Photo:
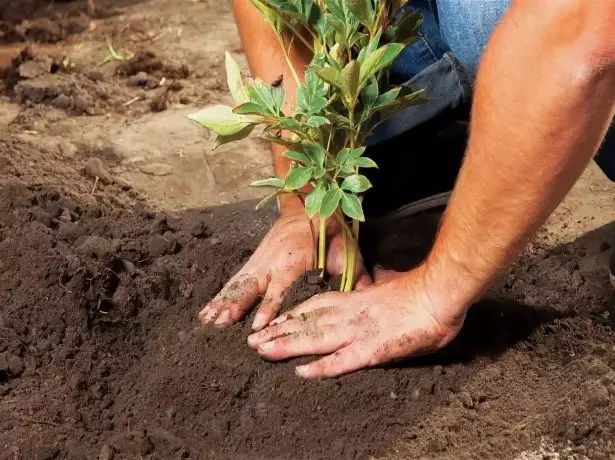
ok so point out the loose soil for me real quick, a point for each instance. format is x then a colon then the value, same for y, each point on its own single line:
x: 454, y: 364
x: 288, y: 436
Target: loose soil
x: 101, y: 355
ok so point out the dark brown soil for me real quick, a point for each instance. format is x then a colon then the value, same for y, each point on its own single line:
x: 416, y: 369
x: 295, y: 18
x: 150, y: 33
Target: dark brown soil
x: 99, y: 306
x: 101, y: 355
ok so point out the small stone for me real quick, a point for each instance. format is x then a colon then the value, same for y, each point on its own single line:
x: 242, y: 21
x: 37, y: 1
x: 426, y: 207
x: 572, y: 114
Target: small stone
x: 170, y: 412
x: 62, y: 101
x: 416, y: 393
x: 16, y: 366
x: 214, y: 241
x: 156, y: 169
x: 106, y: 453
x: 36, y: 67
x: 393, y: 395
x: 466, y: 399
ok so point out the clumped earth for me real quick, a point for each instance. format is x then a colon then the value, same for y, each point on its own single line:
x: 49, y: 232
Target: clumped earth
x: 101, y: 355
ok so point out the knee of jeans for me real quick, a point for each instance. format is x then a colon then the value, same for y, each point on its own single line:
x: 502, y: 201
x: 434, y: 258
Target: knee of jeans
x: 466, y: 25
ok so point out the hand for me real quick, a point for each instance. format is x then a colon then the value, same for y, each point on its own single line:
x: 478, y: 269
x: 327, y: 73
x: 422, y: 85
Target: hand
x: 283, y: 256
x: 394, y: 318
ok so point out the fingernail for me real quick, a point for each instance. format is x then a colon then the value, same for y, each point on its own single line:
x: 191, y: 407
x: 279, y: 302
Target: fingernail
x: 302, y: 371
x: 209, y: 317
x: 204, y: 312
x: 267, y: 346
x: 260, y: 321
x: 223, y: 318
x: 252, y: 339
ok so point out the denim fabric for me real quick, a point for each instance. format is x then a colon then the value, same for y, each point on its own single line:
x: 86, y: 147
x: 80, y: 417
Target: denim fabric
x: 443, y: 62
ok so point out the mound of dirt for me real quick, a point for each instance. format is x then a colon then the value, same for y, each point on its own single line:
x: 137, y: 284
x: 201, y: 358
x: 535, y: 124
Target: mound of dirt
x: 104, y: 356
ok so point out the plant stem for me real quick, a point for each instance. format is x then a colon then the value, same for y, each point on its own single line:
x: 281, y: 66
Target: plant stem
x: 322, y: 245
x: 294, y: 30
x: 287, y: 58
x: 353, y: 256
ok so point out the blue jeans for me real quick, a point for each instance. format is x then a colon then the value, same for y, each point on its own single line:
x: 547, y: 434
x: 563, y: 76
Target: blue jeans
x: 444, y: 61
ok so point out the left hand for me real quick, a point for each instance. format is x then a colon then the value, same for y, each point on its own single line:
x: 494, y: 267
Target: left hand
x: 395, y: 318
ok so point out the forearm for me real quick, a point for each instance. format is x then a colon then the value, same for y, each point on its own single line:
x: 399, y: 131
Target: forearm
x: 267, y: 62
x: 545, y: 96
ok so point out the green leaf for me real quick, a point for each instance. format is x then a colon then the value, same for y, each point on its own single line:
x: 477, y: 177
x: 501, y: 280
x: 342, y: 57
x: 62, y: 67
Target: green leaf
x: 235, y: 80
x: 356, y: 153
x: 387, y: 98
x: 347, y: 154
x: 407, y: 26
x: 351, y: 206
x: 287, y: 123
x: 250, y: 108
x: 379, y: 60
x: 269, y: 97
x: 221, y: 120
x: 330, y: 75
x: 330, y: 201
x: 356, y: 184
x: 364, y: 162
x: 370, y: 94
x: 298, y: 156
x: 269, y: 182
x: 270, y: 13
x: 298, y: 177
x: 316, y: 121
x: 314, y: 199
x: 311, y: 96
x: 350, y: 82
x: 363, y: 10
x: 221, y: 140
x: 316, y: 152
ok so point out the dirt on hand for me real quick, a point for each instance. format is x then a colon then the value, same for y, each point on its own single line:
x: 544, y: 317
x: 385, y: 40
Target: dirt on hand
x: 101, y: 353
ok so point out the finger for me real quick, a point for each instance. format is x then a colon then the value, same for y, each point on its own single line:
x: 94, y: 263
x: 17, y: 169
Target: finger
x: 348, y: 359
x: 330, y: 299
x: 272, y: 303
x: 315, y: 341
x: 231, y: 304
x: 301, y: 323
x: 363, y: 279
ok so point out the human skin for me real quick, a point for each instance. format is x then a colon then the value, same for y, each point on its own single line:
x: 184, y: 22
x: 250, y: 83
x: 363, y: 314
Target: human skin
x: 544, y: 99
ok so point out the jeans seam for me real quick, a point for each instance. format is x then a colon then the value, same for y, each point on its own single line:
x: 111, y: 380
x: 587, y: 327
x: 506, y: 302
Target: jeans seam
x: 429, y: 48
x: 455, y: 66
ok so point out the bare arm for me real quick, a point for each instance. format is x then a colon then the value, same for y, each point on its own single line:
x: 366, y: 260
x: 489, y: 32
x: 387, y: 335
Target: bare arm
x: 545, y: 96
x: 267, y: 62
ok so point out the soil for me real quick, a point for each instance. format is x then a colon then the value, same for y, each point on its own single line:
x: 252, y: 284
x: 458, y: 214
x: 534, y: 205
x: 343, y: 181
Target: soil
x: 103, y: 268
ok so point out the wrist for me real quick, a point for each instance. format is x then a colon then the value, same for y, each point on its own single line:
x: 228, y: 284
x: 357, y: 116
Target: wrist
x: 452, y: 281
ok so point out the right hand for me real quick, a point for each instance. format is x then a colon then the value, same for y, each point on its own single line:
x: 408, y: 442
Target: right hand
x: 283, y: 256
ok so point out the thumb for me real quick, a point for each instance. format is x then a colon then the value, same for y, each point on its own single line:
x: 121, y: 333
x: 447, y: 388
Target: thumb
x: 335, y: 262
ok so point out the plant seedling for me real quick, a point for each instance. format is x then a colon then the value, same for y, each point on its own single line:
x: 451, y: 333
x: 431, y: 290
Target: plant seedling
x: 343, y: 96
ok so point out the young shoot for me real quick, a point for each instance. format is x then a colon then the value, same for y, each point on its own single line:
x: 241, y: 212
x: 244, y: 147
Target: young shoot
x: 342, y: 96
